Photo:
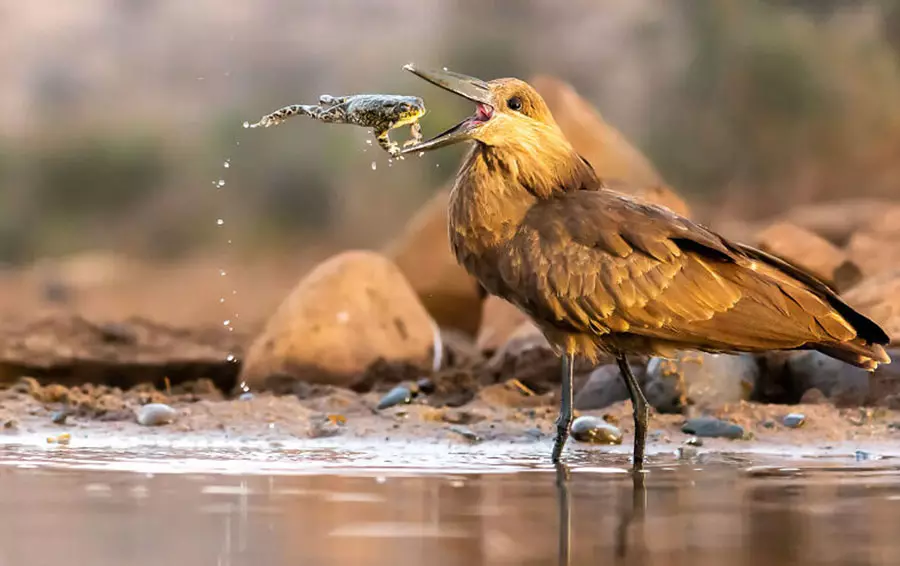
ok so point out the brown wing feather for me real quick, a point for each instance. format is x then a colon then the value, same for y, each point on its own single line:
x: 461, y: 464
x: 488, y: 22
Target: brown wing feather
x: 603, y: 264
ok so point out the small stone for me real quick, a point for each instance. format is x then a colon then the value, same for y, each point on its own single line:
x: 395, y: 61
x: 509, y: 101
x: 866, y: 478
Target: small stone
x: 461, y: 417
x: 768, y: 424
x: 862, y: 455
x: 687, y: 452
x: 894, y: 426
x: 63, y: 438
x: 396, y: 396
x: 155, y: 414
x: 794, y: 420
x: 465, y: 433
x: 595, y: 431
x: 535, y: 433
x: 246, y: 396
x: 10, y: 424
x: 712, y: 427
x: 693, y: 441
x: 59, y: 417
x: 425, y: 386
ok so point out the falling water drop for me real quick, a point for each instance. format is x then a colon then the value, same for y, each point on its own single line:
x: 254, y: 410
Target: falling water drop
x: 219, y: 222
x: 246, y: 124
x: 227, y: 164
x: 374, y: 166
x: 221, y: 183
x: 222, y: 273
x: 229, y: 358
x: 369, y: 142
x: 226, y: 322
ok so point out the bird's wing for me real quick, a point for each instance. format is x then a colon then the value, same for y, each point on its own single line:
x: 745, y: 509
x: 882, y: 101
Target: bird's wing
x: 599, y: 262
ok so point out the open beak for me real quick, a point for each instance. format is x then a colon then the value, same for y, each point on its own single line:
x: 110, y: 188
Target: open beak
x: 470, y: 88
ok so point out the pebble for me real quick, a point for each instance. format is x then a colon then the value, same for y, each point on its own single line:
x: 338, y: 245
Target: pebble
x: 425, y: 386
x: 63, y: 438
x: 693, y: 441
x: 712, y: 427
x: 246, y: 396
x: 466, y: 433
x: 794, y: 420
x: 155, y: 414
x: 595, y: 431
x: 59, y: 417
x: 397, y: 395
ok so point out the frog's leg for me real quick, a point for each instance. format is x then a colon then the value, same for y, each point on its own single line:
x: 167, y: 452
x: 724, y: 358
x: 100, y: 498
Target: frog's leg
x: 385, y: 142
x: 283, y: 114
x: 415, y: 132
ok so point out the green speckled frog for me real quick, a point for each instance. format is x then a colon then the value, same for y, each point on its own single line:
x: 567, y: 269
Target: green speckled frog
x: 381, y: 112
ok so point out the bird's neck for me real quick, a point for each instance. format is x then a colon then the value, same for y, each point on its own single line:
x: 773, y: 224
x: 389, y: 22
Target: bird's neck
x: 497, y: 185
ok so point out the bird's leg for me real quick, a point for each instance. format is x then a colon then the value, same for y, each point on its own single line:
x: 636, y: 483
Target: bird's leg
x: 641, y: 412
x: 564, y: 503
x: 564, y: 420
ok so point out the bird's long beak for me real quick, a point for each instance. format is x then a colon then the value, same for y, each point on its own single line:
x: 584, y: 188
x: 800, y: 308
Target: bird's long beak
x: 469, y: 88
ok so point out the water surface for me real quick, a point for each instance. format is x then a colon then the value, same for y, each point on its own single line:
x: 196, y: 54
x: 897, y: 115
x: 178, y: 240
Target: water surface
x: 426, y: 504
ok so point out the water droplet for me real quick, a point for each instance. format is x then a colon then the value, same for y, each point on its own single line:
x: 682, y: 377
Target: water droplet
x: 421, y: 153
x: 226, y: 165
x: 221, y: 299
x: 234, y: 292
x: 229, y: 241
x: 229, y: 358
x: 369, y: 142
x: 374, y: 166
x: 226, y: 322
x: 446, y: 69
x: 222, y: 272
x: 221, y: 183
x: 246, y: 125
x: 437, y: 164
x: 220, y: 222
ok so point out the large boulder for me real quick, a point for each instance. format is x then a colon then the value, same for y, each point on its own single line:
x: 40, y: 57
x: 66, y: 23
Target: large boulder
x: 837, y: 221
x: 607, y: 150
x: 500, y: 320
x: 350, y: 311
x: 811, y: 252
x: 422, y: 252
x: 879, y: 299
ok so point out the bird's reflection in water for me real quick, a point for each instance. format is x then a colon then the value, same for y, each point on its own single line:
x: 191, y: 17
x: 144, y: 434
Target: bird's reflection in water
x: 627, y: 513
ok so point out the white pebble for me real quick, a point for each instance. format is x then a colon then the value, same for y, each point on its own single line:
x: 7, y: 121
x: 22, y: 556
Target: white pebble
x: 155, y: 414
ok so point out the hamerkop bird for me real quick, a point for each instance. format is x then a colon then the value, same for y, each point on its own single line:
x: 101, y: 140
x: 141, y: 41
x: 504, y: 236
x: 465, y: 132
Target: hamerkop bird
x: 602, y: 272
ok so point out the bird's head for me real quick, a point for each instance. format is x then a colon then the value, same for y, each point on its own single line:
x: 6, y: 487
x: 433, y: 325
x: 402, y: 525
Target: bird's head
x: 507, y: 111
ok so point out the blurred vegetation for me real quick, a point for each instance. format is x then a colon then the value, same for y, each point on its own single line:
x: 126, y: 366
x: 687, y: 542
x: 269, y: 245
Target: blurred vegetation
x: 757, y: 105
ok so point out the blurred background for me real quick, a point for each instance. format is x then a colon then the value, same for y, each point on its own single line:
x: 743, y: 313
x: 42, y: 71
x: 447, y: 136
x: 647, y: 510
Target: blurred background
x: 119, y: 115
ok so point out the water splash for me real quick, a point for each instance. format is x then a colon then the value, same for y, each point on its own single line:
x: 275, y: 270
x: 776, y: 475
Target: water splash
x: 220, y: 222
x: 374, y: 166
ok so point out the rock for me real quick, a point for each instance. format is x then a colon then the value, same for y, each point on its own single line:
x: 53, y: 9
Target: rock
x: 605, y: 387
x: 712, y: 427
x: 350, y: 311
x: 837, y: 221
x: 453, y: 388
x: 59, y: 417
x: 396, y: 396
x: 813, y: 397
x: 247, y: 396
x: 425, y: 386
x: 693, y: 441
x: 423, y: 255
x: 595, y: 431
x: 879, y: 299
x: 843, y: 384
x: 461, y: 417
x: 607, y: 150
x: 500, y: 320
x: 808, y: 250
x: 875, y: 254
x: 698, y: 379
x: 794, y: 420
x: 156, y: 414
x: 465, y: 433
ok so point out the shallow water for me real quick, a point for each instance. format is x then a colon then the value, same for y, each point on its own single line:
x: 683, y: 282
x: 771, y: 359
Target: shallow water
x: 428, y: 504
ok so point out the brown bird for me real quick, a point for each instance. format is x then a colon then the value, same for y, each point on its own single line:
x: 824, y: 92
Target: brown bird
x: 599, y: 271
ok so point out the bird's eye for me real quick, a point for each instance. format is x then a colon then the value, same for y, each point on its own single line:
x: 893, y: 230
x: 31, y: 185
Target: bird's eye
x: 514, y: 103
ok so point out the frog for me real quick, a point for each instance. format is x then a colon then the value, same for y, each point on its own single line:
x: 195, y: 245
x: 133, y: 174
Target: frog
x: 381, y: 112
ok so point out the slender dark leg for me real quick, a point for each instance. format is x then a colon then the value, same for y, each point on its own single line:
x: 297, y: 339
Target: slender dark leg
x: 564, y: 502
x: 630, y: 513
x: 641, y: 413
x: 564, y: 421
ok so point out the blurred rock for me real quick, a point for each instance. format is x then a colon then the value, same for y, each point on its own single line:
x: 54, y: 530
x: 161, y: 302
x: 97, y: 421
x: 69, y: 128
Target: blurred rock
x: 879, y: 298
x: 713, y: 428
x: 794, y: 420
x: 605, y: 387
x: 705, y: 381
x: 813, y: 397
x: 843, y: 384
x: 350, y: 311
x: 156, y: 414
x: 396, y: 396
x: 500, y: 320
x: 422, y: 252
x: 807, y: 250
x: 595, y: 431
x: 876, y: 252
x: 837, y: 221
x: 611, y: 155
